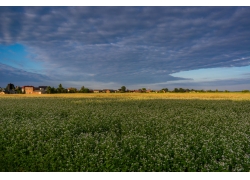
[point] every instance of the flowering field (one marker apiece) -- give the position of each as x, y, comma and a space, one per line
123, 134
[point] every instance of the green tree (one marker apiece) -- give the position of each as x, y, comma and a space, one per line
245, 91
72, 90
82, 89
18, 90
165, 89
86, 90
123, 89
176, 90
53, 90
49, 90
181, 90
60, 89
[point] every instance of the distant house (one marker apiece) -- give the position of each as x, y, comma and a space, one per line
97, 91
27, 89
72, 90
34, 90
43, 88
108, 91
130, 91
138, 91
39, 90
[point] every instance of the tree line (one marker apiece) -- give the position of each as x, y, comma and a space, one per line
61, 89
123, 89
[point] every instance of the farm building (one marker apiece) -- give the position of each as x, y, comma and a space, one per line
97, 91
108, 91
34, 90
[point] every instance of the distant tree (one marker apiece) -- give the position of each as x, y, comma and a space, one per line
82, 89
10, 87
123, 89
86, 90
18, 90
245, 91
60, 89
181, 90
72, 90
53, 90
165, 89
49, 90
176, 90
216, 90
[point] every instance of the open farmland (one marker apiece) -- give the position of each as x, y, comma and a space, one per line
230, 96
125, 132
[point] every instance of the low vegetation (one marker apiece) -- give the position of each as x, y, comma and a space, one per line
124, 133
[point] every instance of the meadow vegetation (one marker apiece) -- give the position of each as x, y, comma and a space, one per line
125, 132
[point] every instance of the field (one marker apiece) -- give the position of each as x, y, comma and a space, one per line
125, 132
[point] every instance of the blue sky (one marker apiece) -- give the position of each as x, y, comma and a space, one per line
108, 47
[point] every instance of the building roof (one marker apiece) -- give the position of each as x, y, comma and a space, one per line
27, 86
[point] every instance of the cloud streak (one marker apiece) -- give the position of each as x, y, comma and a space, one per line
9, 74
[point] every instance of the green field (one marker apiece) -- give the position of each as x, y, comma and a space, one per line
123, 134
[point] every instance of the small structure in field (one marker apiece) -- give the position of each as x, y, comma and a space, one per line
97, 91
108, 91
34, 90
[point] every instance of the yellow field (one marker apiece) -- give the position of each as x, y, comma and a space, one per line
230, 96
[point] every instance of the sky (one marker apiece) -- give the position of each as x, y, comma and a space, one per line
133, 46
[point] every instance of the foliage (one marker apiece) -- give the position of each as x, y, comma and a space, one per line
245, 91
51, 90
72, 90
122, 134
165, 89
123, 89
60, 89
181, 90
18, 90
84, 90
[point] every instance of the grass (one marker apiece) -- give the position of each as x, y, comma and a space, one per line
125, 132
